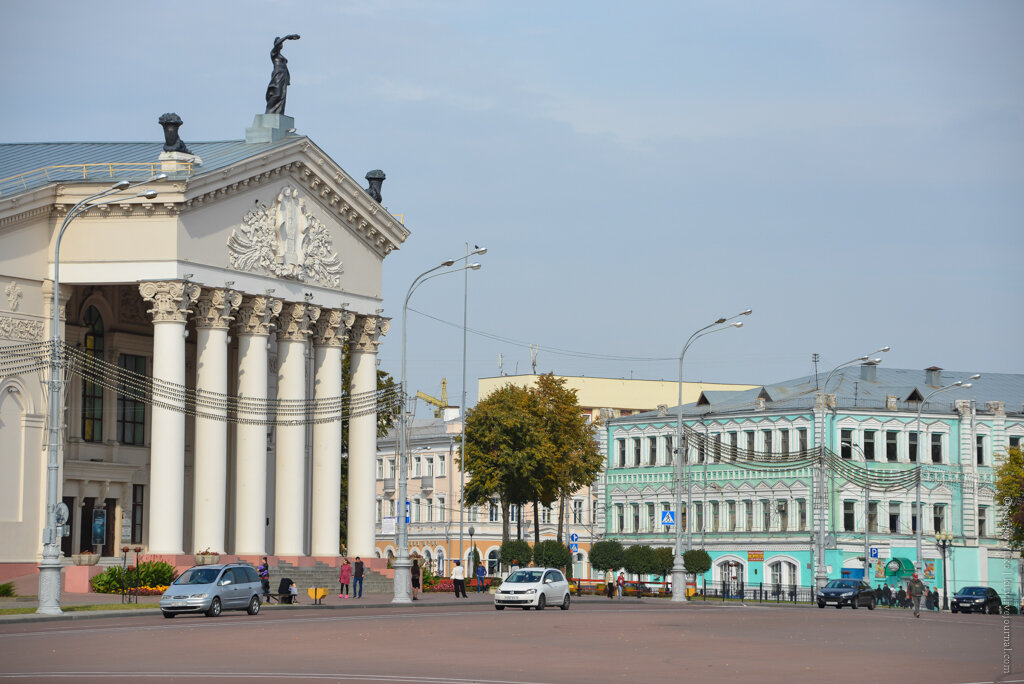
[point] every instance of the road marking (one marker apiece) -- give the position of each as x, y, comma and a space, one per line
263, 675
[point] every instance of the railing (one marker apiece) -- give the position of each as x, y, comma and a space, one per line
85, 172
427, 482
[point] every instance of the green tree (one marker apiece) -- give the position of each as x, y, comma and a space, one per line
666, 558
606, 555
1010, 497
573, 459
697, 561
504, 450
640, 559
515, 550
552, 554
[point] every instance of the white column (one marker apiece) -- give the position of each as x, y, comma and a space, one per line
290, 477
255, 320
362, 437
171, 302
328, 339
214, 309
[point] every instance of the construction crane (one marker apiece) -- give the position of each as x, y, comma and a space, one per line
439, 404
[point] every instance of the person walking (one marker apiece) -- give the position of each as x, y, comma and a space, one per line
481, 575
609, 580
621, 583
459, 580
916, 591
887, 595
357, 578
935, 599
415, 574
344, 578
264, 572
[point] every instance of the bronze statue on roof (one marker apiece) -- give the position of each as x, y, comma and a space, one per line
280, 79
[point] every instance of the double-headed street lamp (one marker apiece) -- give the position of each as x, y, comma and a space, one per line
943, 540
402, 565
920, 457
678, 569
821, 575
49, 568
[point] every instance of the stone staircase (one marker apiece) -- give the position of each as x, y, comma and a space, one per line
323, 575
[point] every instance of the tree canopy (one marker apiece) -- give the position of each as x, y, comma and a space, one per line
1010, 497
697, 561
640, 559
666, 558
552, 554
517, 550
606, 555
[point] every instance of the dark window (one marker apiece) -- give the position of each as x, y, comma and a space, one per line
937, 448
869, 445
980, 449
873, 516
912, 451
894, 518
767, 441
802, 438
718, 448
131, 413
750, 440
939, 518
701, 448
668, 449
621, 443
636, 451
982, 521
92, 394
1014, 442
652, 450
784, 441
848, 516
846, 444
138, 501
891, 445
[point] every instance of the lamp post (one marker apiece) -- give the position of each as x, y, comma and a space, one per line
678, 569
920, 458
472, 555
943, 540
867, 526
462, 407
821, 573
49, 568
402, 565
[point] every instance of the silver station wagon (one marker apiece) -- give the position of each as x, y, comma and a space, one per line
211, 589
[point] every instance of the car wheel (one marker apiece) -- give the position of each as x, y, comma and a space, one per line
838, 605
871, 604
820, 604
168, 615
214, 609
542, 602
952, 610
254, 605
499, 607
855, 603
526, 607
565, 602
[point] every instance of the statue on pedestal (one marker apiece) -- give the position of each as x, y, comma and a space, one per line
277, 91
171, 123
376, 178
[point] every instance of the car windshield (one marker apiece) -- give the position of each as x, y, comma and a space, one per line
525, 576
972, 591
198, 576
842, 584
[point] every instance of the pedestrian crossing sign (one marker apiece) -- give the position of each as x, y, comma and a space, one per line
668, 517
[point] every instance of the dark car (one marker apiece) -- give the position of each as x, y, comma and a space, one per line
976, 600
846, 592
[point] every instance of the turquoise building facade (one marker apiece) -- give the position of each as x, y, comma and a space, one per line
756, 504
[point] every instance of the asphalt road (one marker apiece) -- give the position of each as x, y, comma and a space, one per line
595, 641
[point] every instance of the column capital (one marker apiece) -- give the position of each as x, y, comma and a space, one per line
215, 306
367, 331
296, 321
172, 299
256, 315
331, 329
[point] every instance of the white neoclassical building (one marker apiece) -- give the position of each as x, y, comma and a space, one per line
206, 330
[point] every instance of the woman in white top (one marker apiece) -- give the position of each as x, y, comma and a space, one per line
459, 580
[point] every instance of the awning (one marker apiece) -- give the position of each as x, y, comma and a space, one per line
899, 567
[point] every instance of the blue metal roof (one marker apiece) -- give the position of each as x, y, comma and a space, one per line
22, 158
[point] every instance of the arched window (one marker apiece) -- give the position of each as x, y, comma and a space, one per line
92, 394
492, 562
441, 570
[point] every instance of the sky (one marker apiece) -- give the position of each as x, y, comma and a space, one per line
851, 171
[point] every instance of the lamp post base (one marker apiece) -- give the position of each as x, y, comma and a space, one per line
403, 581
49, 587
679, 582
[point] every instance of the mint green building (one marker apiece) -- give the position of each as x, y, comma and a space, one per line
755, 503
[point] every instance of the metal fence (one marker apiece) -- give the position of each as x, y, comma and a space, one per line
761, 592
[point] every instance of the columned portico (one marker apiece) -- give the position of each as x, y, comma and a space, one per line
329, 335
214, 313
254, 321
362, 438
295, 325
172, 301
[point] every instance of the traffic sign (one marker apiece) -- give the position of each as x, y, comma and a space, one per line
574, 537
574, 547
668, 517
873, 552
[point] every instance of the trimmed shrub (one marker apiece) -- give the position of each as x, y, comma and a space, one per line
640, 560
515, 550
150, 574
697, 561
606, 555
551, 554
7, 589
666, 558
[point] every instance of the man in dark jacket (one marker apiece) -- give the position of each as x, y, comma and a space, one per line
357, 578
887, 595
916, 587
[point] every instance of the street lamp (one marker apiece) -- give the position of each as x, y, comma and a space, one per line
49, 568
678, 569
943, 540
402, 565
462, 407
472, 555
821, 575
920, 453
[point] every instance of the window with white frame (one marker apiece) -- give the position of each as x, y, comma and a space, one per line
620, 518
849, 516
717, 447
698, 517
913, 440
442, 512
748, 510
783, 509
430, 511
620, 448
652, 450
979, 449
873, 516
939, 518
894, 518
429, 466
892, 451
749, 434
801, 513
417, 514
513, 513
846, 444
936, 448
869, 445
493, 512
784, 441
652, 522
442, 465
390, 473
1015, 441
668, 450
391, 508
983, 521
637, 445
634, 518
577, 511
380, 468
416, 466
473, 514
766, 436
801, 434
766, 515
714, 516
731, 513
545, 515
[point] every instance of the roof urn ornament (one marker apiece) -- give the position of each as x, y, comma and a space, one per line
376, 179
171, 123
280, 79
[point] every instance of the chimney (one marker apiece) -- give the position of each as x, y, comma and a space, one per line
868, 372
933, 376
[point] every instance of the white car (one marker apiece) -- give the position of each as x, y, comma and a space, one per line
533, 587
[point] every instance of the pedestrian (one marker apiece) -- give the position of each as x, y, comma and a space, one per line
357, 578
481, 574
916, 590
935, 599
878, 596
621, 583
264, 573
609, 580
415, 572
344, 578
459, 580
887, 595
515, 566
901, 598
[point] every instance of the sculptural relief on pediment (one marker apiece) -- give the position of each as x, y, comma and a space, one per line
285, 240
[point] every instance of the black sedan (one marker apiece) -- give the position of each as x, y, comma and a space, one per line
846, 592
976, 600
